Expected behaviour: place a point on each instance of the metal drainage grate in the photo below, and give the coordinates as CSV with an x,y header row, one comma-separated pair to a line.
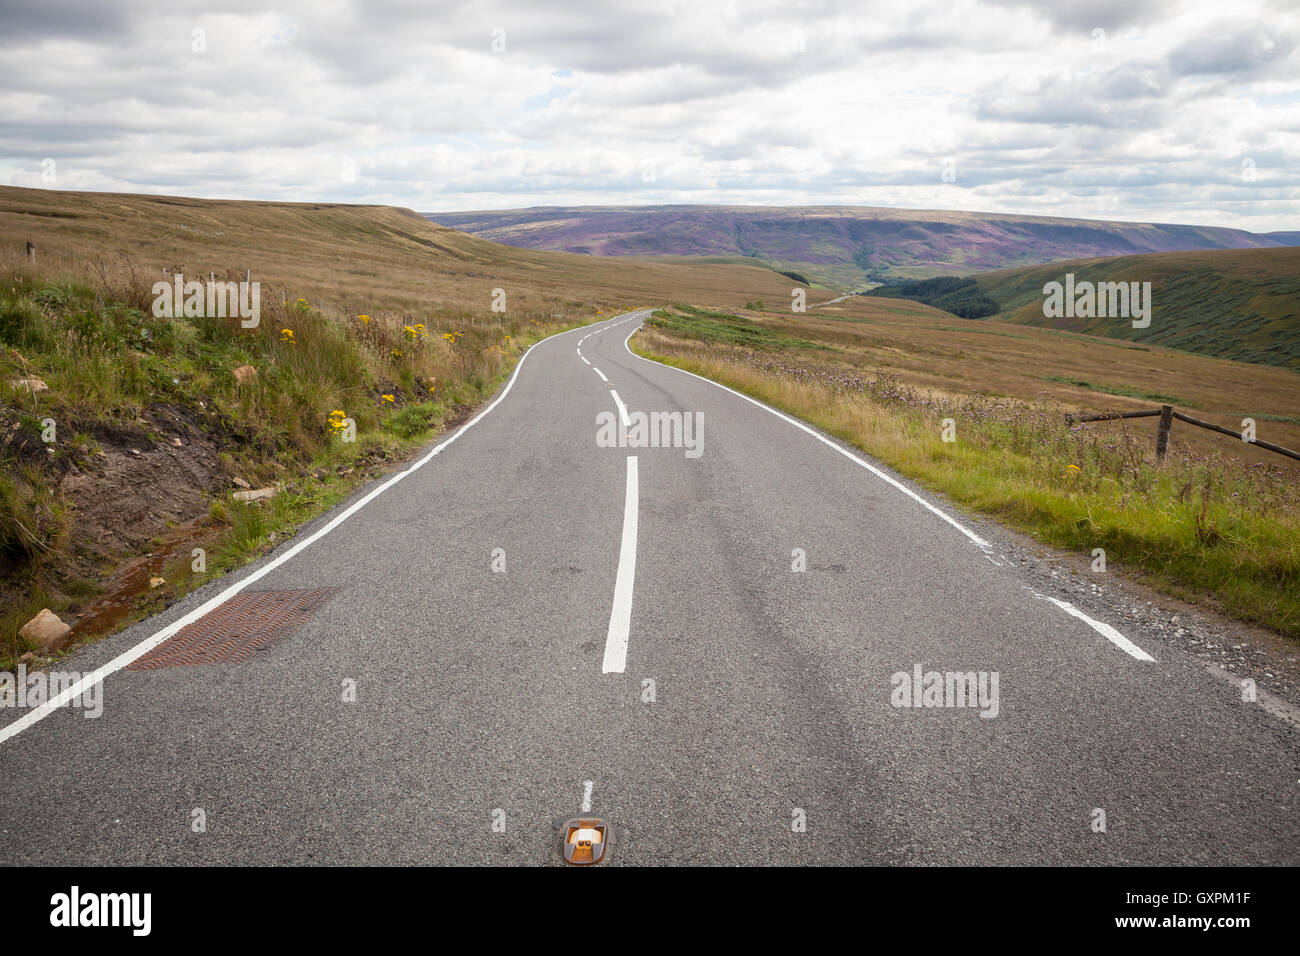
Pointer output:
x,y
236,629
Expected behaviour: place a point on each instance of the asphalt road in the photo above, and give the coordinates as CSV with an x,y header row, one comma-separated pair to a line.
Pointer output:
x,y
489,700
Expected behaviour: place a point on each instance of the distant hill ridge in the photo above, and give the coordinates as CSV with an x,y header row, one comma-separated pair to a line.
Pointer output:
x,y
1241,304
841,246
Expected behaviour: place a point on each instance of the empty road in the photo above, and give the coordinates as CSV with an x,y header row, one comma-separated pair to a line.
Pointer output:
x,y
535,619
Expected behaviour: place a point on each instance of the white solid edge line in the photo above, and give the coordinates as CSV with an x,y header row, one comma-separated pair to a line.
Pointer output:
x,y
620,617
825,441
1279,708
1105,630
139,650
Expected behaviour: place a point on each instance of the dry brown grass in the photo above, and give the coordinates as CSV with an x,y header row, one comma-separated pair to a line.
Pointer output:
x,y
353,258
933,350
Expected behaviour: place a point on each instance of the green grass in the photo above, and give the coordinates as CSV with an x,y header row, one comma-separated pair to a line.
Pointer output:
x,y
960,296
1121,390
34,518
1241,304
415,420
955,328
1265,417
251,526
712,326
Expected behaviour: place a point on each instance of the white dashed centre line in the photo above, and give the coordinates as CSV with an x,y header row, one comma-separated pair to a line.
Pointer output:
x,y
620,617
622,410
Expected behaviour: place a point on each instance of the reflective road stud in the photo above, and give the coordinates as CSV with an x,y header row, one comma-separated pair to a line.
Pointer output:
x,y
585,840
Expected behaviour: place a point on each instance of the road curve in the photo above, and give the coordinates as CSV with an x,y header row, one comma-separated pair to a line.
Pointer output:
x,y
649,654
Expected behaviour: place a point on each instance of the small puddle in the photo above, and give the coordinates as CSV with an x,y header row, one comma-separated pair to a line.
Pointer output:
x,y
106,612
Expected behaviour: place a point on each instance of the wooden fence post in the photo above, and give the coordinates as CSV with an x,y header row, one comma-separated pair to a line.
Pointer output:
x,y
1167,415
31,252
1162,436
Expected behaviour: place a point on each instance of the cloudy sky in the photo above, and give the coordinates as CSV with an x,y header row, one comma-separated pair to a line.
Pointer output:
x,y
1167,110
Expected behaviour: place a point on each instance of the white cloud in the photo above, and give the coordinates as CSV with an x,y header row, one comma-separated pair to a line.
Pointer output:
x,y
1136,109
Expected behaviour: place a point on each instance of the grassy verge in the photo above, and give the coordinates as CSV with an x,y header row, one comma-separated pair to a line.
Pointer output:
x,y
1204,528
122,435
713,326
